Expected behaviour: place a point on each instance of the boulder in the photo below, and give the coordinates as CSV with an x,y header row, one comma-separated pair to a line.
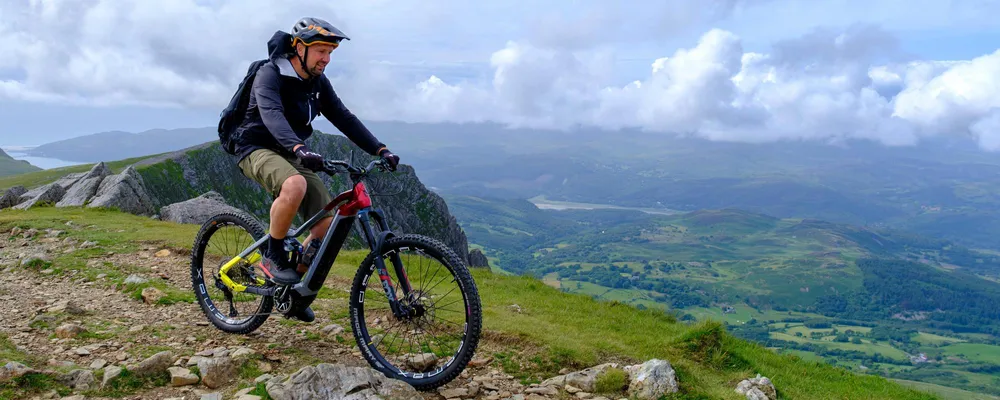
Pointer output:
x,y
80,379
651,380
111,373
12,196
182,376
14,369
335,381
478,259
582,379
52,193
197,210
759,388
86,187
125,191
156,364
217,371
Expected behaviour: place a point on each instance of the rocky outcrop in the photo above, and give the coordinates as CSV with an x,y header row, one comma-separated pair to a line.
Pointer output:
x,y
124,192
85,188
12,196
197,210
478,259
95,188
335,381
50,193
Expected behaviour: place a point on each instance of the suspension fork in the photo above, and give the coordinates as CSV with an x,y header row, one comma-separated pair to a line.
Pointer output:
x,y
375,242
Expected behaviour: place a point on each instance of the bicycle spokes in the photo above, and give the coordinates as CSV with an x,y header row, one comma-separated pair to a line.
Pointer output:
x,y
228,275
423,329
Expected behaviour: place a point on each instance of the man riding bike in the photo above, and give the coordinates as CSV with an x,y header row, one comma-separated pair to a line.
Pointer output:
x,y
289,91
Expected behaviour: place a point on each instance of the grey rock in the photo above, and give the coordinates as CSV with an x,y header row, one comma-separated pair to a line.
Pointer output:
x,y
135,279
216,371
14,369
335,381
69,180
478,259
582,379
211,396
12,196
49,193
80,379
34,258
111,373
197,210
651,379
86,187
758,388
422,362
182,376
125,192
155,364
69,330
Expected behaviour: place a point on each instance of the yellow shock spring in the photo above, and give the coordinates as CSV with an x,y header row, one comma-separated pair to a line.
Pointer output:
x,y
223,272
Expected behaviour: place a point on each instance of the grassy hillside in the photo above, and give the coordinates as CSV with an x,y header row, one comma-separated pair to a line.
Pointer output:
x,y
553,330
10,166
890,291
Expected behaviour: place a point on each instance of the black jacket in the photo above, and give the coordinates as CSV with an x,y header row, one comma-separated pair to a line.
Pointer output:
x,y
283,106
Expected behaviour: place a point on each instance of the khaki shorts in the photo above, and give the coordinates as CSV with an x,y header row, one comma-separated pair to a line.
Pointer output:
x,y
271,169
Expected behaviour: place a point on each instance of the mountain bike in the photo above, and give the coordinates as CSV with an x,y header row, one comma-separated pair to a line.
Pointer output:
x,y
441,317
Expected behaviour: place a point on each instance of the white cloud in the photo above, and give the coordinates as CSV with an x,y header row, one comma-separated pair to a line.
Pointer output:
x,y
544,70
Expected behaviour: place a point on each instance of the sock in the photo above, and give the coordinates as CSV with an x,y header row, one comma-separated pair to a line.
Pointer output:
x,y
276,246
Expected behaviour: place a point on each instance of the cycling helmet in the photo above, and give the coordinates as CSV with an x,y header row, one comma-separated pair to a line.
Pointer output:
x,y
310,31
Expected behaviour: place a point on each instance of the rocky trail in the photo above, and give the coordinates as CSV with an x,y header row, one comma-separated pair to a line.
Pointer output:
x,y
92,334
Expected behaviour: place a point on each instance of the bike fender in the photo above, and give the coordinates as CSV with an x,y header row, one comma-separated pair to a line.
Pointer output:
x,y
381,239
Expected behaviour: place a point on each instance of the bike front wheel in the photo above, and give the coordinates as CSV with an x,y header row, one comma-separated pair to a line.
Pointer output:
x,y
430,343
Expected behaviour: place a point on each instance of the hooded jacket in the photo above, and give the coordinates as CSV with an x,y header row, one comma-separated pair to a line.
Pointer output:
x,y
283,105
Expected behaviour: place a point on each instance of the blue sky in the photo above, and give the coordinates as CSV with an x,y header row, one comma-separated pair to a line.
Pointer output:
x,y
749,70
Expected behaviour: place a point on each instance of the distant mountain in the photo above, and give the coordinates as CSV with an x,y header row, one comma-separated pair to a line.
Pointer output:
x,y
116,145
10,166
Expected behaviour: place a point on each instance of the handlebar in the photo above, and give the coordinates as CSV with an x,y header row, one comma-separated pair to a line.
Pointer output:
x,y
333,167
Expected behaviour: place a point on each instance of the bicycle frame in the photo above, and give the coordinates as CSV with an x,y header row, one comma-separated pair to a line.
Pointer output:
x,y
349,206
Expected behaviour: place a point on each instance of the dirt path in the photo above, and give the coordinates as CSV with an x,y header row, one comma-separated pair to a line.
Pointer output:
x,y
119,329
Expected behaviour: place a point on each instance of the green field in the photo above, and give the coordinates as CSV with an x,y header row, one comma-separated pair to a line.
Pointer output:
x,y
935,340
945,392
974,351
864,347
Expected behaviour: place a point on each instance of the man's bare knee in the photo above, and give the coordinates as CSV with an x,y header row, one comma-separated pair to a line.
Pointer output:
x,y
294,187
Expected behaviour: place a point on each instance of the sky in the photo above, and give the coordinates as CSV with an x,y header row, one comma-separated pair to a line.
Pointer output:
x,y
892,71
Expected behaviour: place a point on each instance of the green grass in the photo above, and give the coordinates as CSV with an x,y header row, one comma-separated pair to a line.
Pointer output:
x,y
865,347
974,351
935,340
555,329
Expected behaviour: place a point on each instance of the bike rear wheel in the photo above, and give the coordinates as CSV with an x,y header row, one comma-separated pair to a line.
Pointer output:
x,y
221,238
432,345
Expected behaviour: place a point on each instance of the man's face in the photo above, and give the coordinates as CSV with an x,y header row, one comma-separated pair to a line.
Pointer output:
x,y
318,57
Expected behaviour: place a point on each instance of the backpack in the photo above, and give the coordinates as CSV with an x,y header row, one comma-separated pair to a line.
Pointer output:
x,y
232,116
